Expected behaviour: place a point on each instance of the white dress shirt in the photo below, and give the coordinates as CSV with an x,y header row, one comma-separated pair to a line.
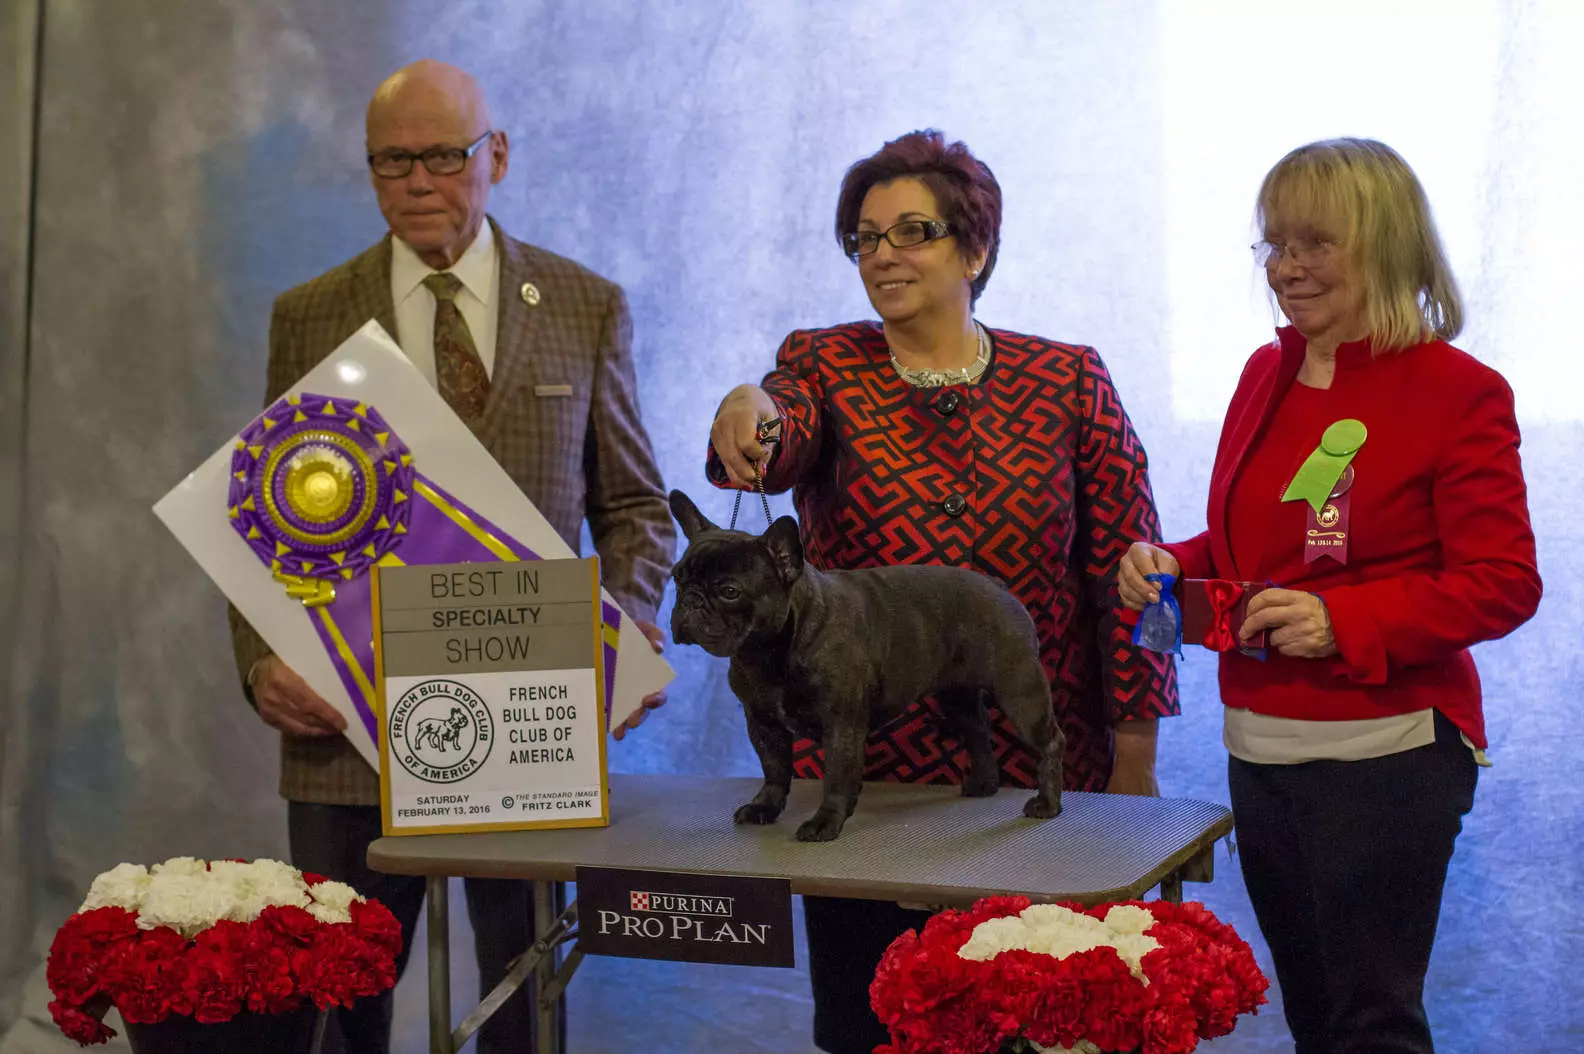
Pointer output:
x,y
478,299
1266,740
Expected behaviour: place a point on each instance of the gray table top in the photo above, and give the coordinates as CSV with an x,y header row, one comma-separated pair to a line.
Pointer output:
x,y
905,842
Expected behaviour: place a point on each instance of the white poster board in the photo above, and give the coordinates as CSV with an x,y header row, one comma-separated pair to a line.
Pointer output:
x,y
369,368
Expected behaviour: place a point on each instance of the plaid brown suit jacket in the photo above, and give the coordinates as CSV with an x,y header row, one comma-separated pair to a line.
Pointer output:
x,y
577,457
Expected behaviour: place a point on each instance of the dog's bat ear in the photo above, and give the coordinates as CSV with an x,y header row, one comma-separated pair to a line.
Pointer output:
x,y
786,549
693,522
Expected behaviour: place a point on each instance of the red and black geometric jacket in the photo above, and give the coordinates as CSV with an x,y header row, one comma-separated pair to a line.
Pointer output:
x,y
1033,476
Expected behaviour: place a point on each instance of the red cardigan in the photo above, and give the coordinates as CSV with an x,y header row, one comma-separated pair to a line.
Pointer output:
x,y
1441,553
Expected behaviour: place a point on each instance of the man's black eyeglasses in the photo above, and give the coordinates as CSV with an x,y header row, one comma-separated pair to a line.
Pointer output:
x,y
439,160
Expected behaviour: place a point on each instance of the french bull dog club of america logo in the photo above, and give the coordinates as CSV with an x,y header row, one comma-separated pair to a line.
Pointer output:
x,y
440,731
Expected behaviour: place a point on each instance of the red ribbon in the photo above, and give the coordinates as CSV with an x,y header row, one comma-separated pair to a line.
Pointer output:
x,y
1223,596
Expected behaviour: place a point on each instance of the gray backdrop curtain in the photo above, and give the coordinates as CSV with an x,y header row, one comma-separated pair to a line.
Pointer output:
x,y
197,157
19,871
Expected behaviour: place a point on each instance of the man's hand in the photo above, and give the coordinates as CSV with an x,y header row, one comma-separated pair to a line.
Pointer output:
x,y
1299,624
1142,559
286,702
653,701
1134,769
735,433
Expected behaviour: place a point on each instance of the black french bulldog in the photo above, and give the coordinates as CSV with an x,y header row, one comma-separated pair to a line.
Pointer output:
x,y
828,655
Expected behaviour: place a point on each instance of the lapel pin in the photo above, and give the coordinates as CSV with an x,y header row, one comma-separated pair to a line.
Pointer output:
x,y
530,294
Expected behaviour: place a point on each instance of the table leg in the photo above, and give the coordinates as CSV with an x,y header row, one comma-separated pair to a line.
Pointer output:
x,y
439,910
1201,868
1171,887
547,1008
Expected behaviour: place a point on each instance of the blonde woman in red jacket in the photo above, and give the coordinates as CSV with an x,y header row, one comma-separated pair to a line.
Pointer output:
x,y
1370,471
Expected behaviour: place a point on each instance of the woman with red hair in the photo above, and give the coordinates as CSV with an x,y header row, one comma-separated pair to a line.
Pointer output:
x,y
929,438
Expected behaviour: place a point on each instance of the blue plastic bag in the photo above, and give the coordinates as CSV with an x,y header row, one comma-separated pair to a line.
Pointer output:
x,y
1160,624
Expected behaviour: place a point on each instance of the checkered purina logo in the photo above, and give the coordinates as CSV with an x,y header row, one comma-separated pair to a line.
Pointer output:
x,y
639,901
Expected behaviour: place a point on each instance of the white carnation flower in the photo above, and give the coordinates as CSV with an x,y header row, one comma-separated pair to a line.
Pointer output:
x,y
333,901
1129,918
248,902
122,886
273,872
189,904
992,937
1048,929
181,865
329,915
282,892
252,887
229,871
1132,948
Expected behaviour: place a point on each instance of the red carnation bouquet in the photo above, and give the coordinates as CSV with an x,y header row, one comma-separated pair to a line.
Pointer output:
x,y
210,940
1152,976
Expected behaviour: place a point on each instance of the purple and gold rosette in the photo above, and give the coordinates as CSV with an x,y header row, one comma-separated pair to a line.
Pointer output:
x,y
322,489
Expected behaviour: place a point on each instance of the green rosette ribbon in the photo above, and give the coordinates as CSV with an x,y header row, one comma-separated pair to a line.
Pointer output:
x,y
1318,475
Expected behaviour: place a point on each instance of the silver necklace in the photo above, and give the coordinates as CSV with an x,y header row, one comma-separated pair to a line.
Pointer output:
x,y
921,377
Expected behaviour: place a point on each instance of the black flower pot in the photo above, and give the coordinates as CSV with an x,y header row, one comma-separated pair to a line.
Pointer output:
x,y
247,1033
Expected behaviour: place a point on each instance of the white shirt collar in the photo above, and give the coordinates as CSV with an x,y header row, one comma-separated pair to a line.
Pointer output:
x,y
475,267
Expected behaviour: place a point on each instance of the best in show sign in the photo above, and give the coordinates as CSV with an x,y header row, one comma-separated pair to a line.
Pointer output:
x,y
492,687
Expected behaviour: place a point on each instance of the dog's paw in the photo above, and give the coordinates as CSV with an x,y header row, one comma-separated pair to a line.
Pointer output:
x,y
823,826
977,787
1037,808
756,812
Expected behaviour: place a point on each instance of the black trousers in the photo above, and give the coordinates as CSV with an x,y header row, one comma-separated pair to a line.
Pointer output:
x,y
333,840
1345,863
846,939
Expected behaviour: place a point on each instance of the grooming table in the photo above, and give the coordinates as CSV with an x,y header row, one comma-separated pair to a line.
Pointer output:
x,y
905,842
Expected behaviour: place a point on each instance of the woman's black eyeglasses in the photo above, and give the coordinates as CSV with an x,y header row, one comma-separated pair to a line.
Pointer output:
x,y
904,235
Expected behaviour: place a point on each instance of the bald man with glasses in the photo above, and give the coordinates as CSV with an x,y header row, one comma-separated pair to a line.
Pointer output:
x,y
533,352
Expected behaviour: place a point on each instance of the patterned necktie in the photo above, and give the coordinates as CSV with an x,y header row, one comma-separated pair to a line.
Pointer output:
x,y
459,372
